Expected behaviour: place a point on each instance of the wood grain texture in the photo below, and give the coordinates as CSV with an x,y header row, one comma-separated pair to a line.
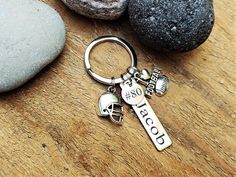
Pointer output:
x,y
50,127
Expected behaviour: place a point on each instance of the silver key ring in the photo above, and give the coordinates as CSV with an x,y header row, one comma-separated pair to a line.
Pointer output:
x,y
111,81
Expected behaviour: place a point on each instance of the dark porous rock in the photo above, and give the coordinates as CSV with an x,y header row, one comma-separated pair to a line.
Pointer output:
x,y
99,9
172,25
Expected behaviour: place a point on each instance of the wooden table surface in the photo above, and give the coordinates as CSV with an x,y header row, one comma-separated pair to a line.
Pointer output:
x,y
50,127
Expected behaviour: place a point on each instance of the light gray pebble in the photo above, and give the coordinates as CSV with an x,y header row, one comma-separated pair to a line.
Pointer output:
x,y
32,35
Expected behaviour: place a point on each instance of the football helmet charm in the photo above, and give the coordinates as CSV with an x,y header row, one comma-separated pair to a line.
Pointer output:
x,y
110,105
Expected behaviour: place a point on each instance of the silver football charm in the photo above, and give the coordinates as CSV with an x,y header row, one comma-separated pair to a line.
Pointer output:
x,y
162,84
157,83
110,105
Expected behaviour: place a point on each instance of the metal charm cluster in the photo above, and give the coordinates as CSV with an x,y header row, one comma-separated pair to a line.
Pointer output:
x,y
128,88
110,102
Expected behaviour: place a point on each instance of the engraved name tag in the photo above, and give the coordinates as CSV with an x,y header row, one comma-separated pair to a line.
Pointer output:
x,y
152,125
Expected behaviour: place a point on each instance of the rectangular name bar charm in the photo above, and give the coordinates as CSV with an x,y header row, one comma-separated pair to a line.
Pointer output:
x,y
152,125
133,94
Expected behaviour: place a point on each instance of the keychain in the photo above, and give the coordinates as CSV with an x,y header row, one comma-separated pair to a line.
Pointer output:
x,y
132,93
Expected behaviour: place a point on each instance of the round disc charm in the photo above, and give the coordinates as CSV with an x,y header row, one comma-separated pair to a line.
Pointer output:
x,y
132,93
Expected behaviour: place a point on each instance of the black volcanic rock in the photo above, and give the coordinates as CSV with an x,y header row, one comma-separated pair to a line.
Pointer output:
x,y
172,25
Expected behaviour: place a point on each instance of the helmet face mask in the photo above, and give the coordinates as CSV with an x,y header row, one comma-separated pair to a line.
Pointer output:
x,y
110,105
115,111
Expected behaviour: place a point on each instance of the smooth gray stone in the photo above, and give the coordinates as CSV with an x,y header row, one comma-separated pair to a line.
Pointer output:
x,y
32,35
172,25
98,9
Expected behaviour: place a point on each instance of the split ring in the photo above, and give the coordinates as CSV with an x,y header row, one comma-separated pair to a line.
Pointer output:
x,y
111,81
